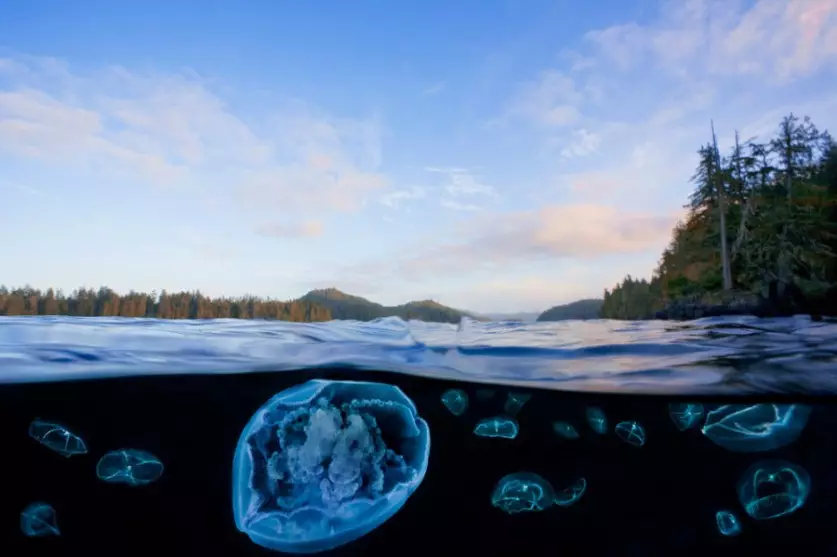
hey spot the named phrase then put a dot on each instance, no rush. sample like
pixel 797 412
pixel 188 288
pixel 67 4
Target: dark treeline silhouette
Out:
pixel 178 305
pixel 317 305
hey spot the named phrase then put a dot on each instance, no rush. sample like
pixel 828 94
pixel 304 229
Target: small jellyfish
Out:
pixel 728 524
pixel 485 394
pixel 522 492
pixel 570 495
pixel 39 520
pixel 499 426
pixel 597 420
pixel 755 427
pixel 456 400
pixel 631 432
pixel 773 488
pixel 57 437
pixel 565 430
pixel 685 415
pixel 514 402
pixel 129 466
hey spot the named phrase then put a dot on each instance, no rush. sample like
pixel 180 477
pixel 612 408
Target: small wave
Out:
pixel 708 356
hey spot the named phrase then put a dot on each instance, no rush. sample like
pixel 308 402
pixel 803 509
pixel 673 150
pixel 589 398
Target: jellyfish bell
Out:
pixel 323 463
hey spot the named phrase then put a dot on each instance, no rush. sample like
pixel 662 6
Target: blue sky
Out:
pixel 501 155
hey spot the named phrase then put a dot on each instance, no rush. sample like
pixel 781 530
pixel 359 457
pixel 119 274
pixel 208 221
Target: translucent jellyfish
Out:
pixel 728 524
pixel 456 400
pixel 326 462
pixel 597 420
pixel 129 466
pixel 631 432
pixel 500 426
pixel 514 402
pixel 685 415
pixel 39 520
pixel 755 427
pixel 522 492
pixel 773 488
pixel 565 430
pixel 570 495
pixel 57 437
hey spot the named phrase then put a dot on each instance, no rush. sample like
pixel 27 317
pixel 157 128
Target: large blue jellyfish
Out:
pixel 570 495
pixel 500 426
pixel 57 437
pixel 39 520
pixel 326 462
pixel 129 466
pixel 455 400
pixel 755 427
pixel 522 492
pixel 773 488
pixel 514 402
pixel 631 432
pixel 727 523
pixel 685 415
pixel 565 430
pixel 597 420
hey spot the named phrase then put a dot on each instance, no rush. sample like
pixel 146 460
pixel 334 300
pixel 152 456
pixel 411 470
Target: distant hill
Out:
pixel 346 306
pixel 581 309
pixel 520 316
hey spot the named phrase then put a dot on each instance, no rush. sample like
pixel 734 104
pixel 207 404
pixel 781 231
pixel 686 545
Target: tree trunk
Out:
pixel 722 206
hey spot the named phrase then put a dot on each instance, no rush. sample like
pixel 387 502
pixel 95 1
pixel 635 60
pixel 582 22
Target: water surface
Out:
pixel 184 392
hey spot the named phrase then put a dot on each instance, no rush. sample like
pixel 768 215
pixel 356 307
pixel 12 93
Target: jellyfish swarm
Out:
pixel 500 426
pixel 685 415
pixel 597 420
pixel 129 466
pixel 756 427
pixel 522 492
pixel 565 430
pixel 326 462
pixel 631 432
pixel 57 437
pixel 455 400
pixel 773 488
pixel 514 403
pixel 727 523
pixel 570 495
pixel 38 520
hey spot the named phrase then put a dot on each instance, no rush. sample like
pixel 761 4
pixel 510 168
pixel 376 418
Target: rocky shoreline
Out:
pixel 791 302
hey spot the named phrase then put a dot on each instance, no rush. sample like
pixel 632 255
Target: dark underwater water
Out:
pixel 658 499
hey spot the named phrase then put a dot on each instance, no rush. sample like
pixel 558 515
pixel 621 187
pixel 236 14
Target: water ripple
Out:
pixel 706 356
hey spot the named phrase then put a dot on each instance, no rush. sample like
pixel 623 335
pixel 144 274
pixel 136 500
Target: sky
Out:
pixel 494 155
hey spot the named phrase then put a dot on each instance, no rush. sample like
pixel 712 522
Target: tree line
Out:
pixel 761 220
pixel 178 305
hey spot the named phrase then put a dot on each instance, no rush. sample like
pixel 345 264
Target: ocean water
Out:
pixel 230 437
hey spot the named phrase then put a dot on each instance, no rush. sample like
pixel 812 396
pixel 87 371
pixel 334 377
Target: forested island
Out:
pixel 317 305
pixel 760 234
pixel 580 309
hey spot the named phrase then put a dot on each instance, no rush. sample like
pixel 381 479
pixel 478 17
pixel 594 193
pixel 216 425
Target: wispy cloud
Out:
pixel 583 143
pixel 579 232
pixel 462 182
pixel 552 99
pixel 775 39
pixel 306 229
pixel 173 129
pixel 435 89
pixel 396 198
pixel 456 206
